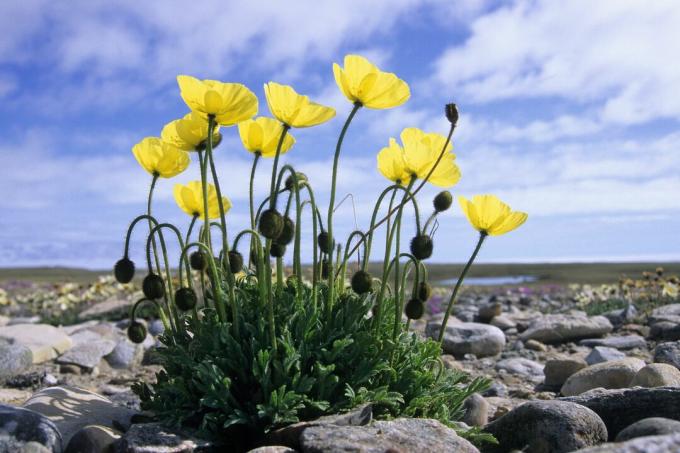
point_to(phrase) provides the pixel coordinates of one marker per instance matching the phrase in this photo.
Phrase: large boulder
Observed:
(601, 354)
(547, 427)
(14, 359)
(668, 353)
(657, 375)
(669, 443)
(88, 349)
(666, 313)
(462, 338)
(45, 342)
(19, 426)
(615, 374)
(558, 370)
(561, 328)
(621, 408)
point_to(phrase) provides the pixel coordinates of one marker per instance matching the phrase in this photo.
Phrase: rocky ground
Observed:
(562, 381)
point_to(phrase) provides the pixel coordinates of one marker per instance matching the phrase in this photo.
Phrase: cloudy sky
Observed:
(569, 111)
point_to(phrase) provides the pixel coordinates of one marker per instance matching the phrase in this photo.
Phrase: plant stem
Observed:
(252, 191)
(482, 236)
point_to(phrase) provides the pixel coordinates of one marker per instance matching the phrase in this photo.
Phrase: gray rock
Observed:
(615, 374)
(9, 444)
(621, 316)
(535, 345)
(561, 328)
(272, 449)
(657, 375)
(156, 327)
(668, 353)
(476, 410)
(547, 427)
(45, 342)
(72, 408)
(469, 338)
(88, 349)
(666, 313)
(13, 397)
(522, 367)
(22, 426)
(653, 426)
(601, 354)
(24, 320)
(617, 342)
(400, 435)
(125, 354)
(488, 311)
(665, 331)
(669, 443)
(503, 322)
(558, 370)
(154, 437)
(113, 307)
(620, 408)
(14, 359)
(93, 438)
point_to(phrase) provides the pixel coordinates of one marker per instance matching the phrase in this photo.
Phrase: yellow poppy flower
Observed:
(230, 103)
(490, 215)
(670, 290)
(361, 81)
(160, 158)
(293, 109)
(188, 133)
(392, 165)
(190, 199)
(262, 135)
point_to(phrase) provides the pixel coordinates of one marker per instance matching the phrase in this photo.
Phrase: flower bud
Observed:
(153, 287)
(290, 182)
(451, 113)
(325, 268)
(362, 282)
(424, 291)
(197, 261)
(271, 223)
(415, 309)
(324, 242)
(421, 246)
(277, 250)
(136, 332)
(124, 270)
(185, 298)
(659, 271)
(287, 232)
(442, 201)
(235, 261)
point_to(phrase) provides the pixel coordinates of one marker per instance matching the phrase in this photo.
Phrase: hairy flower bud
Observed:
(197, 261)
(185, 298)
(362, 282)
(277, 250)
(414, 309)
(271, 223)
(424, 291)
(124, 270)
(136, 332)
(451, 113)
(324, 242)
(287, 232)
(442, 201)
(421, 246)
(290, 182)
(235, 261)
(153, 287)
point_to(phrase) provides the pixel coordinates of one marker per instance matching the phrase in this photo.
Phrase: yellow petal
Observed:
(511, 222)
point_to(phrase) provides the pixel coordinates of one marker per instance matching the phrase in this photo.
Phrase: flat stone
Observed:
(665, 313)
(23, 426)
(488, 311)
(156, 438)
(601, 354)
(665, 331)
(522, 367)
(558, 370)
(13, 397)
(503, 322)
(72, 408)
(669, 443)
(617, 342)
(535, 345)
(653, 426)
(45, 342)
(114, 307)
(621, 408)
(4, 320)
(14, 359)
(615, 374)
(462, 338)
(272, 449)
(547, 427)
(668, 353)
(657, 375)
(399, 435)
(93, 438)
(561, 328)
(125, 354)
(88, 349)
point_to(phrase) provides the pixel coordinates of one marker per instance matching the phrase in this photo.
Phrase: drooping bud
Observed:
(290, 182)
(287, 232)
(414, 309)
(197, 261)
(124, 270)
(235, 261)
(271, 223)
(324, 242)
(136, 332)
(442, 201)
(421, 246)
(451, 113)
(277, 250)
(185, 298)
(362, 282)
(424, 291)
(153, 287)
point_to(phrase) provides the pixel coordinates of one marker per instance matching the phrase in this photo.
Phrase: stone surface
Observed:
(665, 313)
(114, 307)
(535, 345)
(22, 425)
(72, 408)
(476, 410)
(272, 449)
(561, 328)
(665, 331)
(557, 370)
(668, 353)
(620, 342)
(547, 427)
(93, 438)
(653, 426)
(615, 374)
(88, 349)
(462, 338)
(522, 367)
(657, 375)
(13, 397)
(45, 342)
(601, 354)
(669, 443)
(623, 407)
(400, 435)
(125, 354)
(14, 359)
(489, 311)
(155, 438)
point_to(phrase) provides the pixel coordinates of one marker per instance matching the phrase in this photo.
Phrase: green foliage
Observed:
(327, 360)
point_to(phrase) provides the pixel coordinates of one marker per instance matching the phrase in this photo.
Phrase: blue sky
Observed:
(569, 111)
